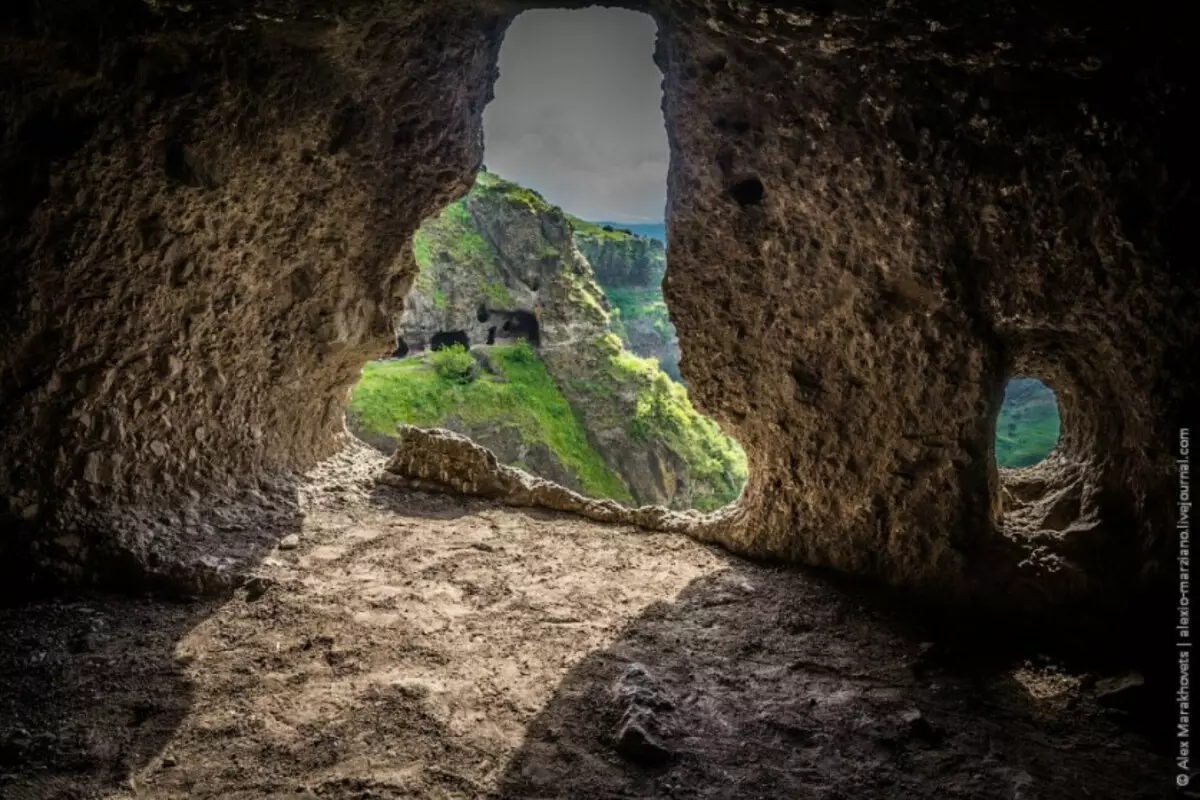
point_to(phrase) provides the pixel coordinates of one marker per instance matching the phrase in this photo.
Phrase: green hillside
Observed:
(587, 399)
(1027, 428)
(520, 394)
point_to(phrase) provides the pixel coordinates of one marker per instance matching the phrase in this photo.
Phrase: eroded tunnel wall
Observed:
(205, 218)
(945, 197)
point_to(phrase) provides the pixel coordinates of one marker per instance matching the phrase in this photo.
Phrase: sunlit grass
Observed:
(521, 396)
(1028, 426)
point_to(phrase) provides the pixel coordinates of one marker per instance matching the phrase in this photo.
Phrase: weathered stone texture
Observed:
(445, 461)
(205, 228)
(877, 213)
(907, 209)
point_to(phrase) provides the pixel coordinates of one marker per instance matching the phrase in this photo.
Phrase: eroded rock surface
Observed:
(205, 219)
(877, 213)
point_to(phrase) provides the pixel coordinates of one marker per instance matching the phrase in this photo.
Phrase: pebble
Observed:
(257, 586)
(289, 542)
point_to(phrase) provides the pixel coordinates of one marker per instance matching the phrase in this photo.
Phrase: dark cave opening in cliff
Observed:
(564, 361)
(447, 339)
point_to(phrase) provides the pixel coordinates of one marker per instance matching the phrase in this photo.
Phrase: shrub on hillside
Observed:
(454, 364)
(522, 353)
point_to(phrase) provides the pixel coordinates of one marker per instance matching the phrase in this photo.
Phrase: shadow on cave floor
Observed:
(90, 691)
(768, 683)
(416, 645)
(93, 684)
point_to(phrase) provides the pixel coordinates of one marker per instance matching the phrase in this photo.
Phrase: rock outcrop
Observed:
(445, 461)
(498, 265)
(619, 258)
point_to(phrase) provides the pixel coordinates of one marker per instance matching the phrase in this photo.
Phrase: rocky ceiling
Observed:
(877, 211)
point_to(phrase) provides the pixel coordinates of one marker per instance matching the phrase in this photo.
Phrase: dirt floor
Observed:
(423, 646)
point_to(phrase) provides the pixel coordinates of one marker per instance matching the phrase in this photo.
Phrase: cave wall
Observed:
(205, 218)
(913, 205)
(205, 229)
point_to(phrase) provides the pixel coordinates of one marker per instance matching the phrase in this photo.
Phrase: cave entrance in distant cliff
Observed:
(1028, 425)
(509, 327)
(518, 325)
(443, 339)
(536, 324)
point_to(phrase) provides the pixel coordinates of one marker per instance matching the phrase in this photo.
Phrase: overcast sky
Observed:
(577, 113)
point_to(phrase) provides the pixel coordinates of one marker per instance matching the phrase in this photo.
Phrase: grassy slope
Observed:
(410, 391)
(512, 192)
(629, 303)
(584, 228)
(1028, 425)
(664, 412)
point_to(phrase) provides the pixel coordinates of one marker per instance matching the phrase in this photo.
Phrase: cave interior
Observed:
(877, 214)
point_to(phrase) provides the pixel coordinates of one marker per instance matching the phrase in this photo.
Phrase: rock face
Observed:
(877, 213)
(498, 265)
(204, 224)
(630, 269)
(618, 257)
(502, 264)
(442, 460)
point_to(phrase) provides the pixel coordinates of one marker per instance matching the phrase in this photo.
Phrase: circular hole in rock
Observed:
(716, 62)
(1028, 426)
(748, 192)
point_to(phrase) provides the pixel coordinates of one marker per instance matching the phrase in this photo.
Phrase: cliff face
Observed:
(630, 268)
(497, 265)
(618, 257)
(501, 265)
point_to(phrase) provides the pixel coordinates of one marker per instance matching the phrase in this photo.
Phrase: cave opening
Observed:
(446, 339)
(1028, 425)
(209, 218)
(518, 326)
(548, 277)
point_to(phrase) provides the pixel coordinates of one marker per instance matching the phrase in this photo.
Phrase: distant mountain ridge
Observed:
(650, 230)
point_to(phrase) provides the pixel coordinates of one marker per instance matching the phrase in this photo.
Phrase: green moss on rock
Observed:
(613, 389)
(449, 250)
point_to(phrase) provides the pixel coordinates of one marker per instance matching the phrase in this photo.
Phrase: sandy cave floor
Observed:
(424, 646)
